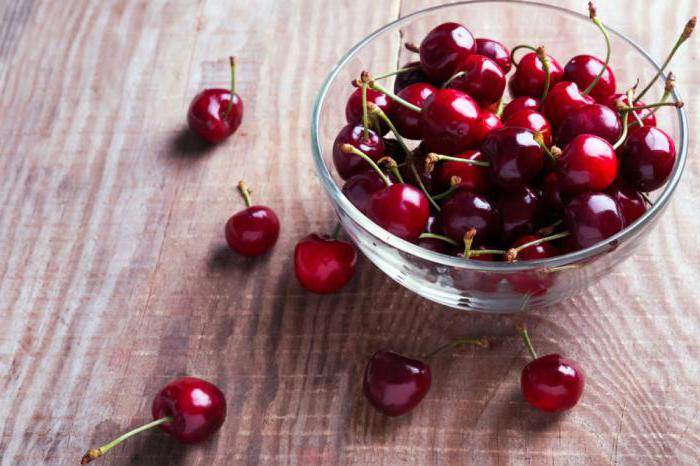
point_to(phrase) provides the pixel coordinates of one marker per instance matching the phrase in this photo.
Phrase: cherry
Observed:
(542, 250)
(551, 193)
(583, 69)
(481, 78)
(424, 174)
(629, 201)
(496, 51)
(563, 98)
(591, 218)
(416, 75)
(550, 383)
(514, 154)
(395, 384)
(444, 48)
(393, 149)
(348, 164)
(647, 158)
(520, 103)
(360, 187)
(253, 231)
(588, 163)
(529, 78)
(528, 248)
(450, 121)
(531, 120)
(324, 264)
(353, 108)
(487, 122)
(472, 177)
(401, 209)
(521, 210)
(646, 115)
(216, 114)
(466, 210)
(406, 120)
(595, 119)
(189, 409)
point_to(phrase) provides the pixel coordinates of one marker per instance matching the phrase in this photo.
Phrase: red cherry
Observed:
(420, 163)
(406, 120)
(647, 158)
(594, 119)
(647, 115)
(532, 120)
(591, 218)
(252, 231)
(515, 156)
(629, 201)
(534, 283)
(552, 383)
(496, 51)
(216, 114)
(465, 210)
(588, 163)
(443, 49)
(482, 80)
(360, 187)
(551, 193)
(529, 77)
(400, 209)
(473, 177)
(353, 108)
(521, 210)
(520, 103)
(539, 251)
(583, 69)
(395, 384)
(450, 121)
(488, 121)
(323, 264)
(563, 98)
(349, 164)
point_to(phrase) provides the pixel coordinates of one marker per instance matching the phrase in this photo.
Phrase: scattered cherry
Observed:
(595, 119)
(450, 121)
(647, 158)
(496, 51)
(591, 218)
(481, 78)
(443, 50)
(254, 230)
(324, 264)
(395, 384)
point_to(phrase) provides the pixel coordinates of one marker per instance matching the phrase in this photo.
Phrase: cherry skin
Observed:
(473, 177)
(416, 75)
(197, 409)
(520, 103)
(450, 120)
(483, 80)
(595, 119)
(552, 196)
(407, 121)
(465, 210)
(529, 77)
(532, 120)
(552, 383)
(647, 115)
(253, 231)
(360, 187)
(591, 218)
(349, 164)
(208, 115)
(443, 49)
(401, 209)
(629, 201)
(487, 122)
(514, 155)
(588, 163)
(647, 158)
(353, 108)
(421, 166)
(562, 99)
(395, 384)
(496, 51)
(533, 283)
(583, 69)
(521, 211)
(323, 264)
(537, 252)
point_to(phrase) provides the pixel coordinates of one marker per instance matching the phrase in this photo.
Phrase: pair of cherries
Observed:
(395, 384)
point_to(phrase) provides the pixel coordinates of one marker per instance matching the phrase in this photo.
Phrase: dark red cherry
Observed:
(563, 98)
(515, 156)
(443, 49)
(521, 211)
(253, 231)
(474, 177)
(540, 251)
(465, 210)
(629, 201)
(583, 69)
(323, 264)
(551, 193)
(496, 51)
(534, 282)
(488, 121)
(529, 77)
(395, 384)
(595, 119)
(393, 149)
(552, 383)
(450, 121)
(435, 245)
(482, 80)
(401, 209)
(591, 218)
(414, 76)
(532, 120)
(349, 164)
(425, 175)
(520, 103)
(647, 115)
(360, 187)
(588, 163)
(647, 158)
(353, 108)
(407, 121)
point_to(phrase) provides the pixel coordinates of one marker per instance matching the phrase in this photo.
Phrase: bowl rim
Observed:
(409, 248)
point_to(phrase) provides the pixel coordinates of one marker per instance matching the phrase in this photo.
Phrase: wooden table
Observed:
(114, 278)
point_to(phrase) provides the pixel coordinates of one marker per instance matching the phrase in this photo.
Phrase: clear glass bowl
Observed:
(478, 285)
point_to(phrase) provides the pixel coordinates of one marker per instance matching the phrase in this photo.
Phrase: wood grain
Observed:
(114, 278)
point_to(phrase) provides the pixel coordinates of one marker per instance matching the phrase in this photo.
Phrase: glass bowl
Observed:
(477, 285)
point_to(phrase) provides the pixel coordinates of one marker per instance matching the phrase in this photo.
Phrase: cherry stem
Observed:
(625, 129)
(483, 252)
(542, 56)
(452, 78)
(232, 63)
(552, 153)
(392, 166)
(434, 158)
(349, 149)
(608, 48)
(549, 229)
(522, 330)
(411, 47)
(518, 47)
(336, 230)
(455, 181)
(374, 85)
(687, 31)
(365, 115)
(512, 253)
(440, 237)
(95, 453)
(468, 240)
(678, 104)
(245, 192)
(483, 342)
(399, 71)
(501, 107)
(668, 89)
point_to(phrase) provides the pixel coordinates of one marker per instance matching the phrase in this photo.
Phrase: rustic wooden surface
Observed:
(114, 278)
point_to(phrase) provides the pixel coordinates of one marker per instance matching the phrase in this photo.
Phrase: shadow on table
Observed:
(185, 145)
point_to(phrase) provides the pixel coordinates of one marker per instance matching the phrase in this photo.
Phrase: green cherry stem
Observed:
(95, 453)
(483, 342)
(518, 47)
(232, 64)
(434, 158)
(452, 78)
(501, 107)
(668, 89)
(348, 149)
(455, 181)
(365, 115)
(625, 129)
(608, 48)
(678, 104)
(245, 192)
(440, 237)
(406, 69)
(374, 85)
(512, 253)
(392, 166)
(542, 56)
(552, 152)
(522, 330)
(549, 229)
(468, 240)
